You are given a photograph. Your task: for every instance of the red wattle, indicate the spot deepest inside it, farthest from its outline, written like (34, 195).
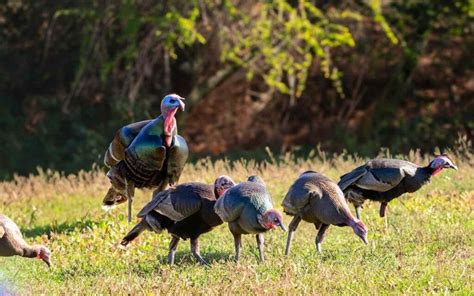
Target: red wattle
(169, 121)
(269, 225)
(168, 140)
(436, 171)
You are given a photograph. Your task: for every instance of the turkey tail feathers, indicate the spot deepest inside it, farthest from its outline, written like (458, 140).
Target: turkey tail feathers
(134, 233)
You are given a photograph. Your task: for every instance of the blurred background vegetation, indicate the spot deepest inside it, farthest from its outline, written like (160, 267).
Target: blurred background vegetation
(345, 75)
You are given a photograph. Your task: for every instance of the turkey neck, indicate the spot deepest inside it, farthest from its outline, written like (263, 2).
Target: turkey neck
(350, 221)
(342, 208)
(424, 173)
(31, 251)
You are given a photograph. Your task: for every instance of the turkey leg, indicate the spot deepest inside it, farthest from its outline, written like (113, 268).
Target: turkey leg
(129, 209)
(292, 228)
(320, 236)
(357, 208)
(383, 207)
(172, 249)
(260, 246)
(196, 252)
(129, 191)
(238, 245)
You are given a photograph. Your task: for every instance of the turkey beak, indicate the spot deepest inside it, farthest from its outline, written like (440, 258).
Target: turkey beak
(453, 166)
(283, 227)
(364, 239)
(47, 260)
(181, 104)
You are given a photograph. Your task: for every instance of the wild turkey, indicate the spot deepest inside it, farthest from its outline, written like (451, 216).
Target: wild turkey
(13, 244)
(186, 211)
(248, 209)
(316, 199)
(385, 179)
(146, 154)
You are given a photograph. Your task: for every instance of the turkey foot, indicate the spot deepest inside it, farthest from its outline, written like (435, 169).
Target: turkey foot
(196, 252)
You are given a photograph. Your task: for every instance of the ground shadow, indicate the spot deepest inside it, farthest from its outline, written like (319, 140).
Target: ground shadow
(58, 228)
(187, 258)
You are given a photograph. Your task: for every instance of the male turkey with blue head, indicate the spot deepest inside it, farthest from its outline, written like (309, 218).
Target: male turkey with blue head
(248, 209)
(147, 154)
(385, 179)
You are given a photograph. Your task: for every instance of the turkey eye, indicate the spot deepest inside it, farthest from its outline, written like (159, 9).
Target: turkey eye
(172, 101)
(276, 220)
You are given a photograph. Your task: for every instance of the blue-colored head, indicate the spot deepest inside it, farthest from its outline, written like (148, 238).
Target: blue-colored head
(222, 184)
(256, 179)
(272, 219)
(171, 103)
(308, 172)
(441, 162)
(359, 229)
(169, 106)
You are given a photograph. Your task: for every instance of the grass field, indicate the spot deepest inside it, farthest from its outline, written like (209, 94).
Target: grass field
(428, 246)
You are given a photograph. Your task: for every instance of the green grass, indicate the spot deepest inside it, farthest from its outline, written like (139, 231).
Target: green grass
(427, 247)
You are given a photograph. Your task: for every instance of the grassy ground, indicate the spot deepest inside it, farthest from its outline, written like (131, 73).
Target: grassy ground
(427, 248)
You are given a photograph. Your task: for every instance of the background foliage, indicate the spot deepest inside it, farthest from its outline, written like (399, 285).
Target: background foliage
(354, 75)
